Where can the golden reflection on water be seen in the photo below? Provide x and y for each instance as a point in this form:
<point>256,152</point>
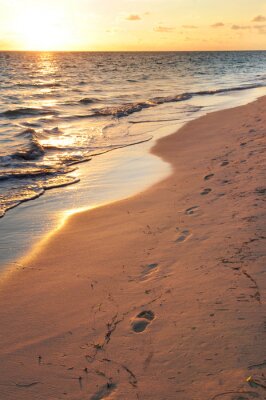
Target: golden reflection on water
<point>46,64</point>
<point>48,102</point>
<point>61,141</point>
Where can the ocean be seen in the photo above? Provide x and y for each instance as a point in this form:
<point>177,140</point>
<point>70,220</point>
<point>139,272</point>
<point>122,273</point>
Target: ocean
<point>59,110</point>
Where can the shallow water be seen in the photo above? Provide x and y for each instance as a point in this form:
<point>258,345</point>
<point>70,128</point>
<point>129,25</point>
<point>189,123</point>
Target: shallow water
<point>60,109</point>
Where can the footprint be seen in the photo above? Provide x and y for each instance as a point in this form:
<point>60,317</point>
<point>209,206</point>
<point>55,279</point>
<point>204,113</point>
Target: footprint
<point>149,315</point>
<point>148,270</point>
<point>261,190</point>
<point>142,320</point>
<point>207,177</point>
<point>184,236</point>
<point>104,392</point>
<point>224,163</point>
<point>140,325</point>
<point>192,210</point>
<point>206,191</point>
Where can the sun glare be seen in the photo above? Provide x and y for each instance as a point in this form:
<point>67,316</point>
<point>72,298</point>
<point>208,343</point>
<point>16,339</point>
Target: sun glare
<point>43,29</point>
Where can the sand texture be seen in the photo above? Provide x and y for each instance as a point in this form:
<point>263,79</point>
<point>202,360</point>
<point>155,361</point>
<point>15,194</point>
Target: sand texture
<point>159,297</point>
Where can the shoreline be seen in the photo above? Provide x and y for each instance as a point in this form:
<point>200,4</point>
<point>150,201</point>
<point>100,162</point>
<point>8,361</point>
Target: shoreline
<point>102,181</point>
<point>183,286</point>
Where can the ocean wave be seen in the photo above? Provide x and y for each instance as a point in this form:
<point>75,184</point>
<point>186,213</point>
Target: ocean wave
<point>124,110</point>
<point>30,124</point>
<point>12,198</point>
<point>131,108</point>
<point>171,99</point>
<point>28,112</point>
<point>127,109</point>
<point>29,132</point>
<point>20,174</point>
<point>32,134</point>
<point>88,100</point>
<point>56,183</point>
<point>54,131</point>
<point>226,90</point>
<point>33,173</point>
<point>44,179</point>
<point>30,152</point>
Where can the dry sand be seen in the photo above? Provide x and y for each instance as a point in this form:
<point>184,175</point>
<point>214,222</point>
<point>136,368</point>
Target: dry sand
<point>161,296</point>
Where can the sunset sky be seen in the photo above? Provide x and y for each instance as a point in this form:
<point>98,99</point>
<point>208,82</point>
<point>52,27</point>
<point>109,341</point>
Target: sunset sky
<point>132,24</point>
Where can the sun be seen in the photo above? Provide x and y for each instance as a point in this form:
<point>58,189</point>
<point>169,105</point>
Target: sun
<point>43,29</point>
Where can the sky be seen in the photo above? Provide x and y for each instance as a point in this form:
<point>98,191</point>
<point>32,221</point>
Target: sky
<point>132,25</point>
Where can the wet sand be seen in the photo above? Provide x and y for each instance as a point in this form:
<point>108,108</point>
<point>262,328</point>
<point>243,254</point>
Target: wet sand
<point>161,296</point>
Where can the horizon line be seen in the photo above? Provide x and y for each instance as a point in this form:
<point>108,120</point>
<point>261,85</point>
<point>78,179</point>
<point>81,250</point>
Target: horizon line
<point>128,51</point>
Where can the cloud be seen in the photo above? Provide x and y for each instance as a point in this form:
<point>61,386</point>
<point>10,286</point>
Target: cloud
<point>163,29</point>
<point>240,27</point>
<point>217,25</point>
<point>259,18</point>
<point>133,17</point>
<point>261,29</point>
<point>189,26</point>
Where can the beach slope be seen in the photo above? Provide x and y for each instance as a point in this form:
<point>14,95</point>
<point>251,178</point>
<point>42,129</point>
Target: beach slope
<point>160,296</point>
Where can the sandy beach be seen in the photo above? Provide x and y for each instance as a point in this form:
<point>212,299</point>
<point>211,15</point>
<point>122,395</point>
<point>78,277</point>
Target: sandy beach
<point>160,296</point>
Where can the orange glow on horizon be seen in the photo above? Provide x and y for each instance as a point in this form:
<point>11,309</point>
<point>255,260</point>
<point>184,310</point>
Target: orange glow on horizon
<point>120,25</point>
